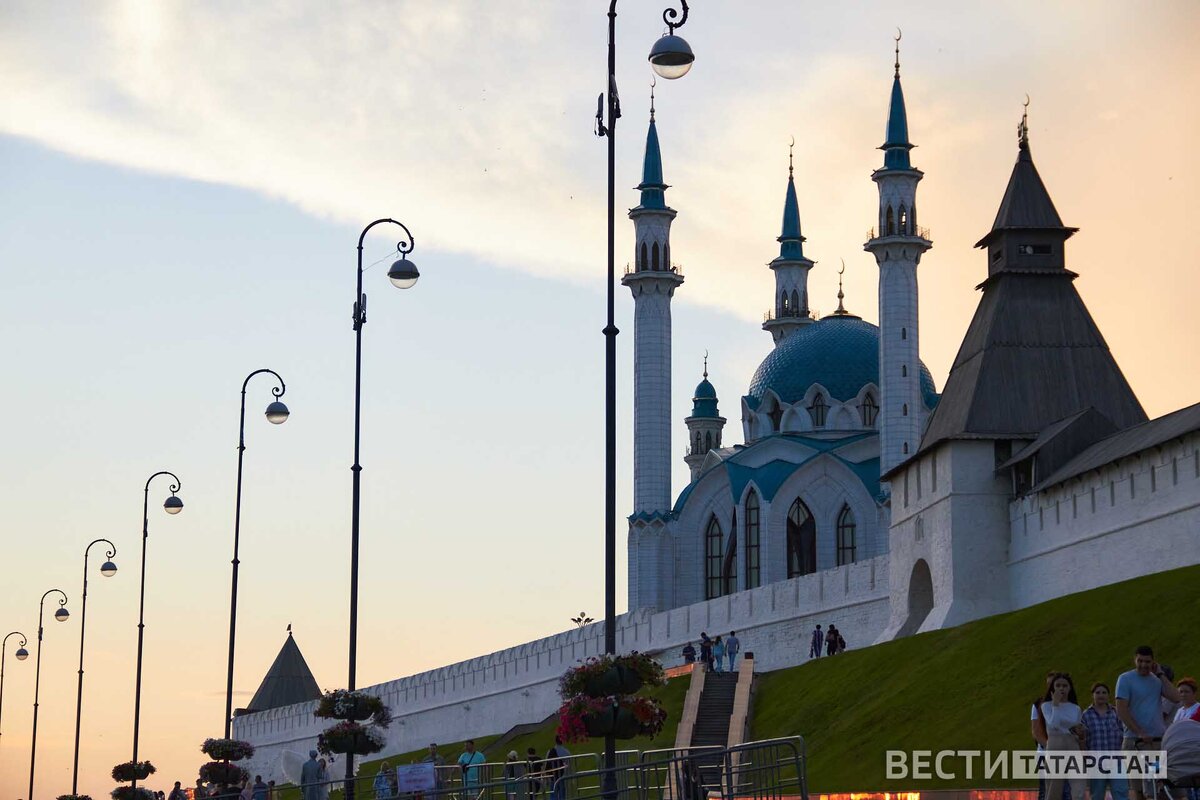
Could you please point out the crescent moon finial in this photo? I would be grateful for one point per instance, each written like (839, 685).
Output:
(790, 147)
(1023, 128)
(899, 36)
(653, 83)
(843, 269)
(706, 363)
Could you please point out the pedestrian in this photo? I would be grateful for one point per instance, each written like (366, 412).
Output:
(1188, 707)
(831, 634)
(323, 781)
(706, 651)
(178, 793)
(1037, 726)
(841, 643)
(469, 761)
(260, 789)
(732, 648)
(556, 763)
(1064, 729)
(718, 651)
(818, 641)
(246, 791)
(198, 793)
(1139, 705)
(512, 775)
(383, 782)
(438, 761)
(310, 778)
(1103, 733)
(533, 770)
(689, 654)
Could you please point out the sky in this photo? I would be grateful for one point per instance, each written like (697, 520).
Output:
(182, 186)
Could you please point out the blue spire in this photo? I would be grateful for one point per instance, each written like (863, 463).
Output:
(790, 239)
(652, 185)
(704, 402)
(896, 145)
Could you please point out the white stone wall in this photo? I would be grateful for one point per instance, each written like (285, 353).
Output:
(1138, 516)
(492, 693)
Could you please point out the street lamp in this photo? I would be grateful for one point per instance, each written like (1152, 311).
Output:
(276, 413)
(60, 614)
(172, 505)
(671, 57)
(403, 274)
(107, 569)
(21, 655)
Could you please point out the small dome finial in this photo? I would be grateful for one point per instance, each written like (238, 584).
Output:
(841, 309)
(791, 147)
(899, 35)
(706, 364)
(1023, 128)
(653, 83)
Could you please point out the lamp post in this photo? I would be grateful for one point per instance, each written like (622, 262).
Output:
(403, 274)
(172, 505)
(60, 614)
(21, 655)
(276, 413)
(107, 569)
(671, 57)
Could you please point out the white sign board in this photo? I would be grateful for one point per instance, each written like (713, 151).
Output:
(416, 777)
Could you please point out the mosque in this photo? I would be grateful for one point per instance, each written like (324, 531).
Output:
(860, 496)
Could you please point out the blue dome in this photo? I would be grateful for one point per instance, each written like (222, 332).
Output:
(704, 403)
(839, 352)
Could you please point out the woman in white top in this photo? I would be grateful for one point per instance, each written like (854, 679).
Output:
(1187, 699)
(1064, 730)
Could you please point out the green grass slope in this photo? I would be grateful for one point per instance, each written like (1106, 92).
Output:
(970, 687)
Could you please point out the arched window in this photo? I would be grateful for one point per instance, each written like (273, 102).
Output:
(752, 549)
(904, 370)
(795, 304)
(903, 333)
(891, 222)
(697, 448)
(846, 537)
(707, 441)
(904, 410)
(776, 416)
(818, 410)
(713, 545)
(729, 568)
(784, 305)
(869, 410)
(642, 260)
(906, 451)
(801, 540)
(903, 220)
(654, 256)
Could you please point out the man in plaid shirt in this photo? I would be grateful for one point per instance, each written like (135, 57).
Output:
(1104, 732)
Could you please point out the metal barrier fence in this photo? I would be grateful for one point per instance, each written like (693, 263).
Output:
(773, 769)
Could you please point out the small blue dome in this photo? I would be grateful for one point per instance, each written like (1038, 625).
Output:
(704, 402)
(840, 352)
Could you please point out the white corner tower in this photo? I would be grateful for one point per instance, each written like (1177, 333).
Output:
(652, 282)
(791, 270)
(897, 244)
(705, 425)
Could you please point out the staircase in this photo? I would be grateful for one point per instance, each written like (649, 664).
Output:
(712, 724)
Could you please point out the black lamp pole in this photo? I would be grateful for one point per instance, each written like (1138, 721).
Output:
(173, 505)
(108, 570)
(659, 57)
(3, 648)
(61, 615)
(403, 274)
(277, 413)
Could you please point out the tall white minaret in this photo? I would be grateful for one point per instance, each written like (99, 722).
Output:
(897, 244)
(652, 282)
(791, 270)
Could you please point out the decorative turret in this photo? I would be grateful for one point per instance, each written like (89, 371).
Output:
(791, 269)
(897, 244)
(704, 425)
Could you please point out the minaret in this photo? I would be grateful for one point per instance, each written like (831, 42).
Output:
(652, 281)
(897, 244)
(704, 425)
(791, 270)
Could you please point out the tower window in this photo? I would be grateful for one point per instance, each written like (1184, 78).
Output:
(795, 304)
(903, 334)
(654, 257)
(869, 410)
(906, 453)
(903, 220)
(752, 549)
(904, 410)
(818, 410)
(890, 222)
(801, 540)
(713, 541)
(642, 260)
(707, 441)
(904, 370)
(785, 305)
(847, 543)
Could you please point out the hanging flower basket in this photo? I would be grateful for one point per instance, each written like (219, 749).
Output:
(133, 770)
(608, 675)
(130, 793)
(354, 705)
(220, 772)
(227, 749)
(351, 737)
(584, 717)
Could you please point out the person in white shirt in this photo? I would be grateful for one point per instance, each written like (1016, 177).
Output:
(1187, 699)
(1064, 729)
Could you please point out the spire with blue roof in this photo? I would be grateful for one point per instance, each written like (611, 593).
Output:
(791, 268)
(896, 145)
(652, 186)
(704, 402)
(791, 241)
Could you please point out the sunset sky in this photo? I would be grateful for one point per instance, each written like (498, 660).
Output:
(183, 185)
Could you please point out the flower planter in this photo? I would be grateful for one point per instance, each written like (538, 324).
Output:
(220, 772)
(130, 793)
(129, 771)
(621, 723)
(615, 680)
(351, 737)
(227, 749)
(352, 705)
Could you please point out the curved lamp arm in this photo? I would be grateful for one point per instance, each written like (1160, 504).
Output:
(278, 391)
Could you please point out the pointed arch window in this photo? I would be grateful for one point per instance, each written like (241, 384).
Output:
(818, 410)
(713, 559)
(707, 441)
(654, 257)
(891, 222)
(697, 447)
(903, 220)
(869, 410)
(847, 537)
(753, 575)
(801, 540)
(776, 416)
(642, 261)
(795, 304)
(785, 305)
(729, 568)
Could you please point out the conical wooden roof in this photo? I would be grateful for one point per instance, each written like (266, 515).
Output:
(288, 681)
